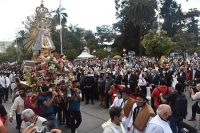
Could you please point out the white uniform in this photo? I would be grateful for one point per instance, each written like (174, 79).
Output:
(119, 102)
(5, 82)
(157, 125)
(113, 128)
(130, 125)
(126, 122)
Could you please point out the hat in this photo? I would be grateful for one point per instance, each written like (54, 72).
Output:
(27, 113)
(179, 87)
(141, 95)
(126, 90)
(74, 81)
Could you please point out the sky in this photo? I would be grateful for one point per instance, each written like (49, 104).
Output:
(85, 13)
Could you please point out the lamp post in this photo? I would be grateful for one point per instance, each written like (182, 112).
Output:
(109, 50)
(124, 50)
(61, 42)
(94, 51)
(16, 45)
(16, 48)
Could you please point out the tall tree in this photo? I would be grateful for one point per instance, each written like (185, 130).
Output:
(59, 15)
(185, 42)
(157, 44)
(172, 14)
(192, 23)
(22, 51)
(136, 16)
(104, 34)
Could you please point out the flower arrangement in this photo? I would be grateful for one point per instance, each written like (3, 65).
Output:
(51, 72)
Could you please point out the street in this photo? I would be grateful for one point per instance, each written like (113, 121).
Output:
(92, 118)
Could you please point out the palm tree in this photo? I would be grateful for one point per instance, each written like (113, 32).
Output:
(60, 18)
(58, 14)
(140, 13)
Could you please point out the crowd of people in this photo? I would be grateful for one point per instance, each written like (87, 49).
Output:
(141, 93)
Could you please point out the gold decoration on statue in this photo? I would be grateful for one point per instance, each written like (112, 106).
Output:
(38, 39)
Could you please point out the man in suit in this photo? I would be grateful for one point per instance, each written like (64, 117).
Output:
(5, 83)
(130, 80)
(195, 74)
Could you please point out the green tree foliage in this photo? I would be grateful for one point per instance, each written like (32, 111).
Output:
(135, 17)
(70, 39)
(172, 14)
(101, 53)
(90, 39)
(104, 34)
(12, 53)
(185, 42)
(157, 44)
(140, 12)
(22, 51)
(58, 14)
(192, 24)
(4, 58)
(71, 53)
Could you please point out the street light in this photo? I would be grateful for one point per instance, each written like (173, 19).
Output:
(94, 51)
(124, 50)
(16, 48)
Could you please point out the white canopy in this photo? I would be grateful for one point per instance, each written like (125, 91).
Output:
(85, 55)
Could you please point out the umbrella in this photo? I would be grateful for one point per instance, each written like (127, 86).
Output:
(117, 57)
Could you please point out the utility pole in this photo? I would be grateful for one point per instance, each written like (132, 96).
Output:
(61, 42)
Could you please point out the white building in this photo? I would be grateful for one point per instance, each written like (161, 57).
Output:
(4, 45)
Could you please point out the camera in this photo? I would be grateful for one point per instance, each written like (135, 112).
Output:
(194, 89)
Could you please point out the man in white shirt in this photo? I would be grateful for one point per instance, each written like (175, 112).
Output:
(115, 126)
(126, 104)
(141, 114)
(159, 124)
(18, 107)
(196, 96)
(5, 83)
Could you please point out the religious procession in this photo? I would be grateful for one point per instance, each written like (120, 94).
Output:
(141, 95)
(52, 93)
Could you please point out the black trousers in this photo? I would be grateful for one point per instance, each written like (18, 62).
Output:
(194, 109)
(75, 120)
(19, 121)
(89, 94)
(6, 93)
(107, 100)
(61, 113)
(67, 117)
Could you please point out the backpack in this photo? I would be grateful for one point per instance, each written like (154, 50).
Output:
(164, 96)
(180, 105)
